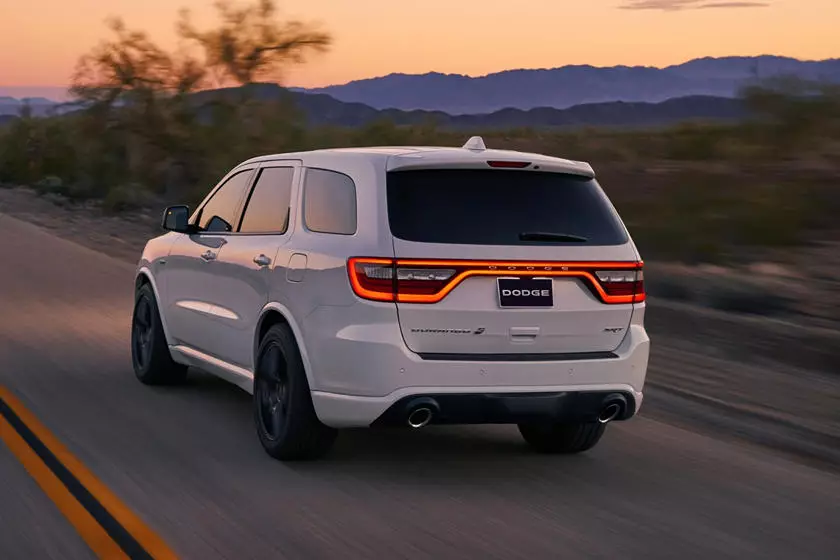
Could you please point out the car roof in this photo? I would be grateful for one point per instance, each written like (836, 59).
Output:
(407, 157)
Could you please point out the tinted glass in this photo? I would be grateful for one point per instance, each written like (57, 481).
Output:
(329, 202)
(495, 207)
(219, 214)
(267, 210)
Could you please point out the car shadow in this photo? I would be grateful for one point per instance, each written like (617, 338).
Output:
(433, 454)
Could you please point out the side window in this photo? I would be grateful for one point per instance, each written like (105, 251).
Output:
(267, 209)
(219, 214)
(329, 202)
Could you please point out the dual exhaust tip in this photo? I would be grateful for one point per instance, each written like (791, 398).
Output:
(421, 411)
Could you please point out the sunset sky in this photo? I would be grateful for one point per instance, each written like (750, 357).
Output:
(40, 40)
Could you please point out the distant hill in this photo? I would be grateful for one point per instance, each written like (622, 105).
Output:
(569, 86)
(322, 109)
(325, 110)
(34, 101)
(39, 106)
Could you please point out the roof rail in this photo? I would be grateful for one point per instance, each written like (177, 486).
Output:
(476, 144)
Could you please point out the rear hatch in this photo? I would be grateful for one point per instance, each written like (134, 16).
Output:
(506, 264)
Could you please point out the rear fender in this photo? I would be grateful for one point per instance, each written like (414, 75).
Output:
(296, 331)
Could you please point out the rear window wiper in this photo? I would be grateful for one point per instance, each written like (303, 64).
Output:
(550, 236)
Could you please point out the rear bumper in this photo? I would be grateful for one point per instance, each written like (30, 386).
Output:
(465, 405)
(364, 380)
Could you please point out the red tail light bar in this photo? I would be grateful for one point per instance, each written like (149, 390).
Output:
(429, 281)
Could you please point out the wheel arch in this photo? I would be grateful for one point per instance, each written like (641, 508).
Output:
(273, 314)
(145, 276)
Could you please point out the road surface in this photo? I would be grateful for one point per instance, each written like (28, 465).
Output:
(187, 462)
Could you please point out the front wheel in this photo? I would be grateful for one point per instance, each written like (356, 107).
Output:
(562, 437)
(285, 418)
(153, 364)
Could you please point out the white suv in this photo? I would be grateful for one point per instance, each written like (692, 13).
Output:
(401, 286)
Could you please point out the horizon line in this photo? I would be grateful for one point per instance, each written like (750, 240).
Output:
(65, 88)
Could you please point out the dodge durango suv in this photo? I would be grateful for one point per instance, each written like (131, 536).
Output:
(401, 286)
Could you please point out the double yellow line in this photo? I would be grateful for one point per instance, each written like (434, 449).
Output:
(107, 525)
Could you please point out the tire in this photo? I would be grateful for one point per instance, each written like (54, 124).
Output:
(562, 438)
(286, 422)
(153, 364)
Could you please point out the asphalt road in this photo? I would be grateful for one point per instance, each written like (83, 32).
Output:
(30, 525)
(187, 461)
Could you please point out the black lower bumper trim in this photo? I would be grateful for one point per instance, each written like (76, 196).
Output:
(512, 408)
(524, 357)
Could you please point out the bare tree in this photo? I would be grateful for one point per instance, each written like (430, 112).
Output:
(250, 43)
(131, 65)
(146, 121)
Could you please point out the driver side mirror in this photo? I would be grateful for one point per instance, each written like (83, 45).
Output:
(176, 218)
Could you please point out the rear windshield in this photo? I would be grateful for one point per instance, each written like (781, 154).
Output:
(500, 207)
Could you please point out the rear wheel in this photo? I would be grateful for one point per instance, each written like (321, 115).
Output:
(153, 364)
(285, 418)
(562, 437)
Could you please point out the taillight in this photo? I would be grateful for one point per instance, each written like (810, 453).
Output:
(422, 281)
(626, 283)
(372, 278)
(429, 281)
(387, 280)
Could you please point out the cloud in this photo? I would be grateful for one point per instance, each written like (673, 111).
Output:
(679, 5)
(734, 5)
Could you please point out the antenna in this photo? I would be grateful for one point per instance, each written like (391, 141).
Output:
(476, 144)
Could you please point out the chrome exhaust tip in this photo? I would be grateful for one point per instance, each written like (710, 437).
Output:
(420, 411)
(419, 417)
(609, 413)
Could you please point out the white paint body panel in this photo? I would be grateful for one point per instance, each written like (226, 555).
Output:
(358, 360)
(577, 322)
(369, 367)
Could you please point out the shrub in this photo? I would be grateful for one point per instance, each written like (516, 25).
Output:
(126, 197)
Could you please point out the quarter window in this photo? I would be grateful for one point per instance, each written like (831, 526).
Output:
(329, 202)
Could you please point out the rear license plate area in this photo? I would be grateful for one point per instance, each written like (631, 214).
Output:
(525, 292)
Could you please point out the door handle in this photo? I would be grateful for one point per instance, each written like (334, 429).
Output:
(262, 260)
(208, 255)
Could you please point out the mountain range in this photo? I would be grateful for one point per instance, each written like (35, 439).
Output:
(704, 89)
(568, 86)
(324, 110)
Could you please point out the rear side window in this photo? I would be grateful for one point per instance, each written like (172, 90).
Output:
(329, 202)
(497, 207)
(267, 210)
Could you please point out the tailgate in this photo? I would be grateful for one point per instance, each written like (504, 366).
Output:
(502, 261)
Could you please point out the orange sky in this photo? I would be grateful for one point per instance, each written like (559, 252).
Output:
(40, 40)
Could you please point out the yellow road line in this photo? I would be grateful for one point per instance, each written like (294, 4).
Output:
(88, 527)
(93, 534)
